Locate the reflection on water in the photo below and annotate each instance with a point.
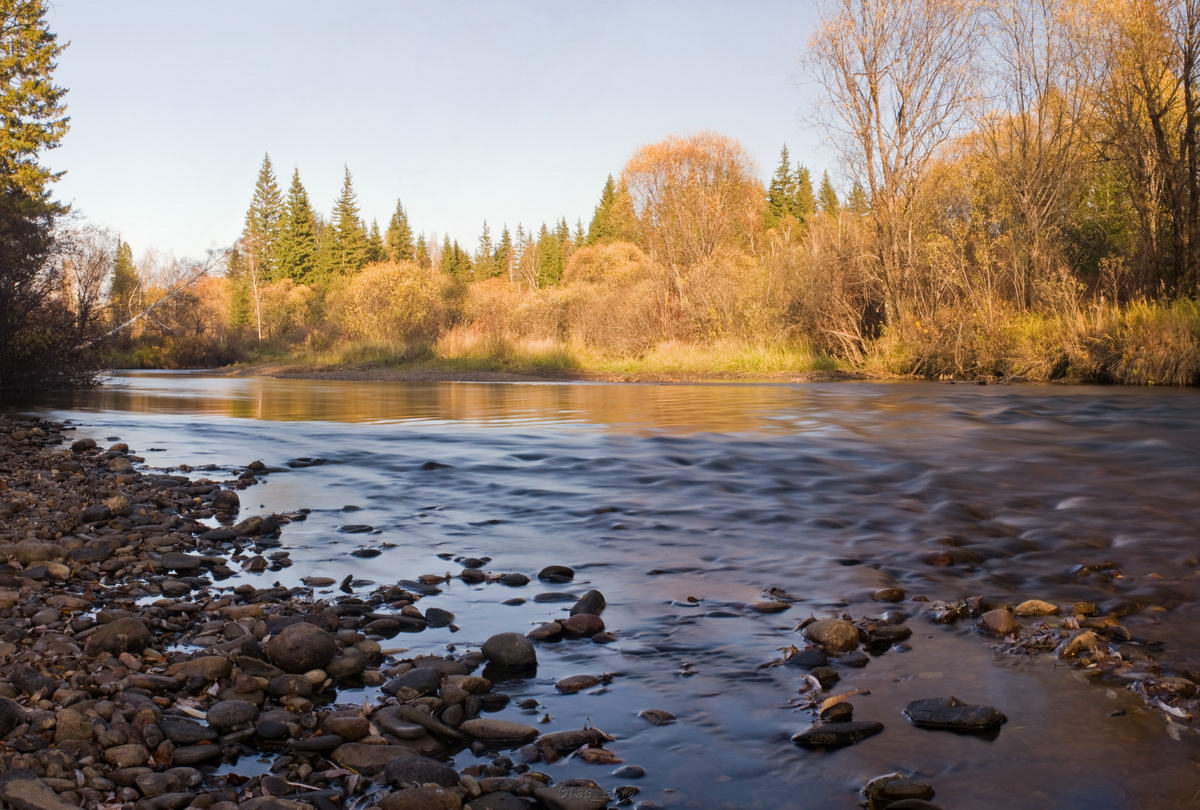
(657, 493)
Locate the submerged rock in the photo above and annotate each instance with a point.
(836, 735)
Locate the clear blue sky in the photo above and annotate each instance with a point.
(505, 111)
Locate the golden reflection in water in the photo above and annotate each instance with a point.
(724, 408)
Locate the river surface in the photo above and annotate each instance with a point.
(683, 503)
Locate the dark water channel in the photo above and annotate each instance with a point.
(655, 494)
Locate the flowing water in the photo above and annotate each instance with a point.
(682, 503)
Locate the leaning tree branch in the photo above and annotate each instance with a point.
(201, 271)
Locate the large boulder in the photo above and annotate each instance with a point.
(301, 647)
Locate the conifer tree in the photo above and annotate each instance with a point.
(602, 227)
(549, 257)
(446, 259)
(349, 246)
(421, 257)
(125, 282)
(804, 202)
(580, 235)
(781, 193)
(264, 226)
(857, 201)
(504, 254)
(400, 236)
(296, 252)
(485, 259)
(325, 265)
(827, 197)
(376, 252)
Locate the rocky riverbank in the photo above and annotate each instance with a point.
(131, 676)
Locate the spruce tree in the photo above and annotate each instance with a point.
(827, 197)
(602, 226)
(376, 252)
(124, 286)
(485, 259)
(446, 260)
(325, 267)
(421, 256)
(857, 201)
(580, 235)
(264, 225)
(549, 258)
(349, 246)
(296, 252)
(504, 254)
(781, 193)
(400, 236)
(804, 202)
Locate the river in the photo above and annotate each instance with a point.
(683, 503)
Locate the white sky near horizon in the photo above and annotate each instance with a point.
(466, 111)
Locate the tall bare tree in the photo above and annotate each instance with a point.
(900, 80)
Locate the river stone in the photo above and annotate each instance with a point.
(183, 731)
(301, 647)
(510, 651)
(591, 602)
(366, 758)
(572, 797)
(499, 800)
(888, 595)
(422, 798)
(436, 617)
(954, 715)
(417, 770)
(834, 635)
(424, 679)
(1035, 607)
(195, 754)
(122, 635)
(998, 622)
(556, 573)
(230, 713)
(70, 724)
(83, 445)
(582, 625)
(514, 579)
(808, 658)
(129, 755)
(489, 730)
(576, 683)
(23, 790)
(349, 728)
(209, 667)
(885, 790)
(834, 735)
(178, 561)
(226, 499)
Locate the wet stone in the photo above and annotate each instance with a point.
(834, 635)
(808, 658)
(592, 602)
(510, 651)
(556, 573)
(836, 735)
(838, 713)
(998, 622)
(301, 647)
(416, 770)
(953, 714)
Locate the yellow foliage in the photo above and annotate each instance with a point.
(388, 301)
